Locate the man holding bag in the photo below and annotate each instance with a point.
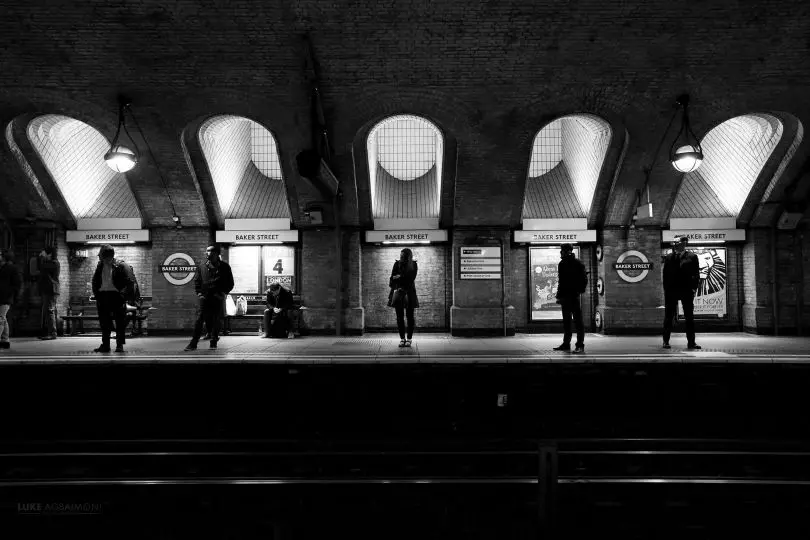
(213, 283)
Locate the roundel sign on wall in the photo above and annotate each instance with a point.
(178, 268)
(632, 266)
(597, 320)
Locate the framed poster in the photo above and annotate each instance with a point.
(543, 281)
(711, 298)
(279, 266)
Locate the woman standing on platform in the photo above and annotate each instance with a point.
(402, 296)
(10, 289)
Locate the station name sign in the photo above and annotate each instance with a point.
(696, 236)
(552, 237)
(108, 236)
(404, 237)
(256, 237)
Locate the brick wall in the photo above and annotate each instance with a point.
(432, 286)
(80, 272)
(175, 305)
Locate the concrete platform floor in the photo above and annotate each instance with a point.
(427, 348)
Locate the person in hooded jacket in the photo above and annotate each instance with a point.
(402, 296)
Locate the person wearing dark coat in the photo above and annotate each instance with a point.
(402, 296)
(681, 281)
(572, 281)
(113, 283)
(213, 283)
(49, 269)
(279, 305)
(10, 290)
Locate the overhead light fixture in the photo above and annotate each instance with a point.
(121, 158)
(685, 154)
(689, 155)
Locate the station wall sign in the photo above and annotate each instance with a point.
(632, 261)
(118, 236)
(407, 236)
(554, 237)
(480, 262)
(256, 237)
(697, 236)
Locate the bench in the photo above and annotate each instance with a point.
(256, 304)
(83, 308)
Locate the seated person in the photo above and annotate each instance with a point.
(279, 306)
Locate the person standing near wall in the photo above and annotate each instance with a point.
(573, 280)
(681, 281)
(213, 282)
(113, 283)
(10, 290)
(49, 270)
(402, 296)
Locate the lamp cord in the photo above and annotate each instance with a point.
(157, 165)
(648, 170)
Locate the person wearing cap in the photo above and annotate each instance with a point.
(573, 281)
(681, 281)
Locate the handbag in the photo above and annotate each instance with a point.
(400, 298)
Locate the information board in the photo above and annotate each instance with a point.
(480, 262)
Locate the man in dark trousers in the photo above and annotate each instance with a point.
(572, 282)
(113, 284)
(681, 280)
(48, 282)
(277, 315)
(213, 283)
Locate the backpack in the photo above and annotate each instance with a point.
(582, 286)
(133, 295)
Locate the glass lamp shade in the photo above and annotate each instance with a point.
(121, 159)
(687, 158)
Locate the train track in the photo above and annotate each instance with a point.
(249, 462)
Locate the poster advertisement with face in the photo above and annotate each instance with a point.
(711, 296)
(543, 281)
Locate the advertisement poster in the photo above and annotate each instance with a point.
(278, 266)
(711, 296)
(543, 282)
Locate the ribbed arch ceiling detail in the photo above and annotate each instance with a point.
(405, 156)
(567, 157)
(734, 154)
(242, 157)
(26, 167)
(74, 152)
(797, 140)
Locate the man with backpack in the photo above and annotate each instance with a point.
(572, 282)
(113, 285)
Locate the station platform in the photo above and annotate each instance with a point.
(426, 349)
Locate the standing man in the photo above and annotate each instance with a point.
(681, 280)
(213, 282)
(10, 289)
(49, 291)
(113, 283)
(572, 282)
